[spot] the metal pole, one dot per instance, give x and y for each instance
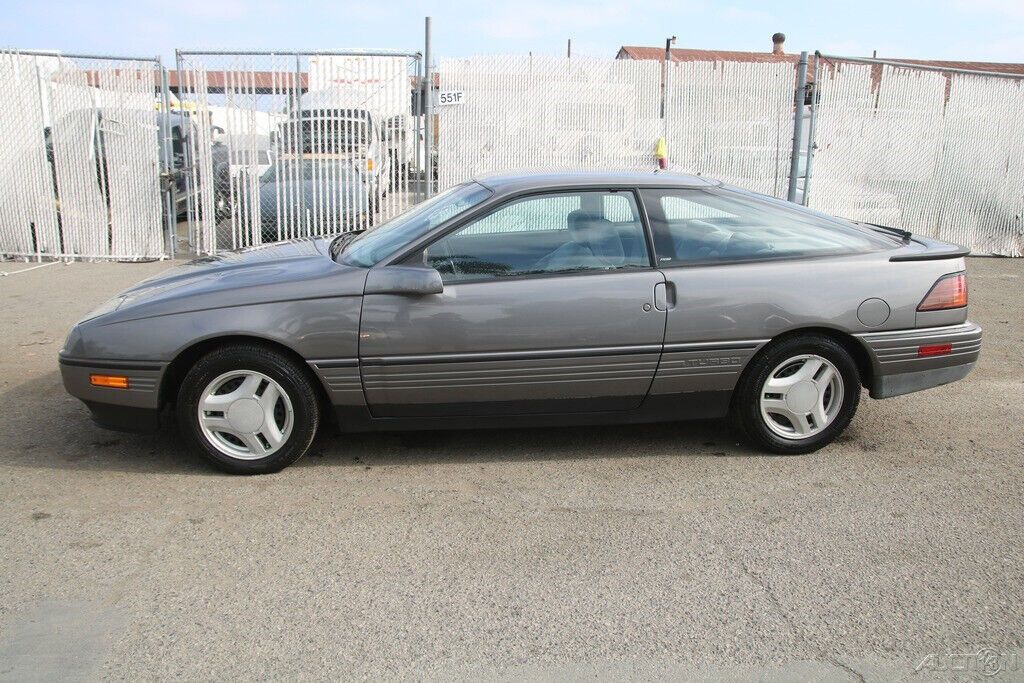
(568, 49)
(417, 115)
(669, 42)
(664, 86)
(292, 53)
(187, 140)
(428, 111)
(42, 109)
(812, 131)
(76, 55)
(165, 95)
(303, 223)
(798, 124)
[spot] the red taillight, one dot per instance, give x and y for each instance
(949, 292)
(934, 350)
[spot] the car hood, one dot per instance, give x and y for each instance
(284, 271)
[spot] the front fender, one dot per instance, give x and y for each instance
(313, 328)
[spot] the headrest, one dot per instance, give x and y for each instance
(597, 234)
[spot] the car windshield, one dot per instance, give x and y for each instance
(375, 245)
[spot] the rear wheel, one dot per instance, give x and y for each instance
(248, 409)
(797, 396)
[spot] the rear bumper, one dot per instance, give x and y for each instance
(899, 369)
(133, 409)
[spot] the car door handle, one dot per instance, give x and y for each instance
(664, 296)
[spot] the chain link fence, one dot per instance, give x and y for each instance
(81, 163)
(286, 145)
(935, 152)
(727, 120)
(99, 161)
(546, 113)
(732, 121)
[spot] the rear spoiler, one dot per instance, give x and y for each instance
(934, 250)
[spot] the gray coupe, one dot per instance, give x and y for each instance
(526, 300)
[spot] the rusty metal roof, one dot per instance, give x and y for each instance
(258, 81)
(694, 55)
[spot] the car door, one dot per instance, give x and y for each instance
(548, 306)
(741, 269)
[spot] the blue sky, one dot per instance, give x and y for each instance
(988, 30)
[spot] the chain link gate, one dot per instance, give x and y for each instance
(282, 145)
(85, 147)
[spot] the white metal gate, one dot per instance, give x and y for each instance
(81, 161)
(284, 145)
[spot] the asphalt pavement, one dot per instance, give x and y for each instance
(649, 551)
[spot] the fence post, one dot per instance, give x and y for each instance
(42, 108)
(812, 131)
(417, 123)
(187, 141)
(304, 223)
(428, 112)
(168, 165)
(798, 124)
(665, 91)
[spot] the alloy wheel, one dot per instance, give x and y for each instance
(245, 414)
(801, 396)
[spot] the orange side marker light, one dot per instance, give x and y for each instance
(110, 381)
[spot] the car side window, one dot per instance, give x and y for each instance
(565, 232)
(700, 226)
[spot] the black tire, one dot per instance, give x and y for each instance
(292, 378)
(746, 408)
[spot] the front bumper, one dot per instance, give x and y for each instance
(133, 409)
(900, 369)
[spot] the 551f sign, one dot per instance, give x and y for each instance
(450, 97)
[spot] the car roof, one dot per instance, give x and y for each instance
(515, 182)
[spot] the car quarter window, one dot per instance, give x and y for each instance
(692, 225)
(564, 232)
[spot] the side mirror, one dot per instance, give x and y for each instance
(411, 280)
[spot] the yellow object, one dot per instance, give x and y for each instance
(661, 149)
(111, 381)
(369, 164)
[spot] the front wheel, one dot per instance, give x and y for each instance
(248, 409)
(797, 396)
